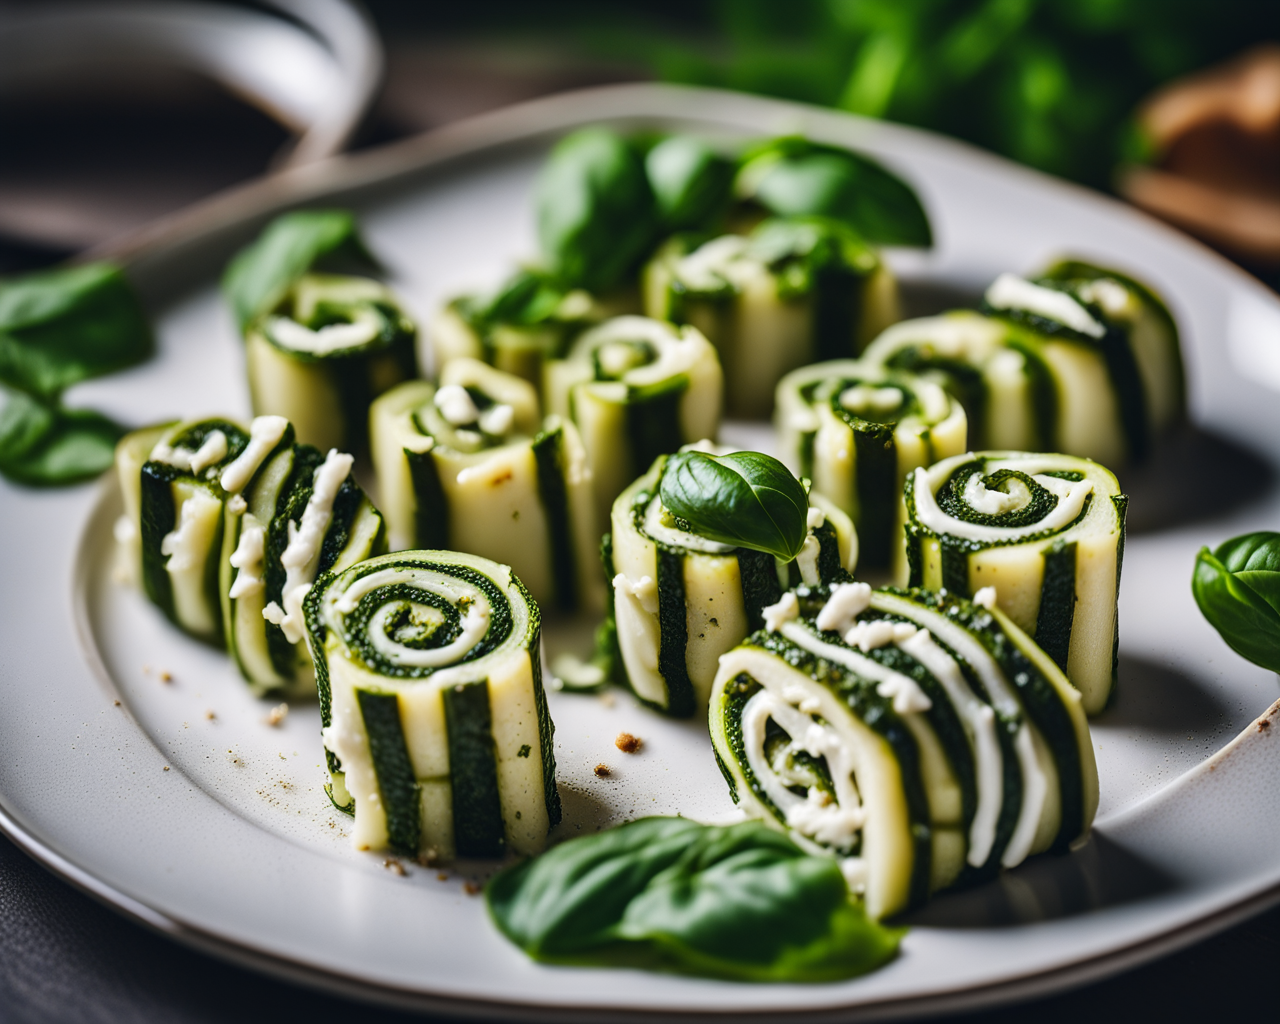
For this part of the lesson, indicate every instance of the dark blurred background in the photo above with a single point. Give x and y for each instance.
(1174, 104)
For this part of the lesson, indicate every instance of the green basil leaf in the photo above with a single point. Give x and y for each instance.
(691, 182)
(791, 176)
(46, 446)
(1238, 590)
(595, 211)
(746, 499)
(666, 893)
(260, 275)
(59, 327)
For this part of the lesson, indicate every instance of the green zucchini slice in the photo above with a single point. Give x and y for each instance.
(636, 388)
(857, 430)
(435, 719)
(796, 290)
(469, 466)
(679, 600)
(330, 347)
(1045, 533)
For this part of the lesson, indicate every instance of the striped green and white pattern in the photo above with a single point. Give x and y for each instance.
(1079, 359)
(435, 720)
(794, 291)
(332, 346)
(1046, 532)
(471, 467)
(857, 430)
(680, 601)
(636, 388)
(922, 739)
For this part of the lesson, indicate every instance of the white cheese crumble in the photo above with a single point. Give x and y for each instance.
(332, 338)
(807, 561)
(863, 398)
(990, 502)
(301, 555)
(815, 518)
(985, 597)
(784, 611)
(247, 558)
(846, 603)
(265, 433)
(456, 406)
(1009, 291)
(214, 449)
(1115, 299)
(180, 543)
(497, 420)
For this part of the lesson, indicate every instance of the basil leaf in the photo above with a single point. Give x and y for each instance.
(260, 275)
(46, 446)
(59, 327)
(1238, 590)
(746, 499)
(595, 211)
(692, 184)
(740, 902)
(791, 175)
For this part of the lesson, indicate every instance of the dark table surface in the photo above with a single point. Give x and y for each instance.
(63, 956)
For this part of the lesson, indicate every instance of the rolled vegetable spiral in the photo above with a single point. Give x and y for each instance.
(435, 720)
(330, 347)
(681, 600)
(796, 290)
(1046, 532)
(636, 388)
(919, 737)
(469, 467)
(857, 431)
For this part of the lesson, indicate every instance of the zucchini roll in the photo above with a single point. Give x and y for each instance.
(636, 388)
(173, 496)
(428, 665)
(1046, 532)
(326, 350)
(921, 738)
(291, 514)
(1077, 307)
(531, 319)
(470, 467)
(857, 430)
(681, 600)
(794, 291)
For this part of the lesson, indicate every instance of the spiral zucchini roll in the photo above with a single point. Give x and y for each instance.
(919, 737)
(795, 291)
(330, 347)
(435, 720)
(680, 600)
(1088, 317)
(527, 322)
(1046, 532)
(636, 388)
(857, 430)
(468, 466)
(170, 478)
(291, 514)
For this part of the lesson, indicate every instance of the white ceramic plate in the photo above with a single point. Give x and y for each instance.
(178, 804)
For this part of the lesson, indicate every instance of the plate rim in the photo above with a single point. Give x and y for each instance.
(237, 211)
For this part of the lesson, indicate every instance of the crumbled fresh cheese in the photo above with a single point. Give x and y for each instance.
(497, 420)
(301, 555)
(815, 518)
(456, 406)
(867, 636)
(180, 544)
(784, 611)
(264, 434)
(990, 502)
(824, 820)
(904, 691)
(807, 561)
(846, 603)
(985, 598)
(236, 505)
(1009, 291)
(247, 558)
(1115, 299)
(179, 458)
(331, 338)
(213, 450)
(864, 398)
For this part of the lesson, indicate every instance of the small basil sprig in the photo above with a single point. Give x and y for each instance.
(1237, 587)
(746, 499)
(741, 902)
(260, 275)
(792, 175)
(57, 328)
(595, 210)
